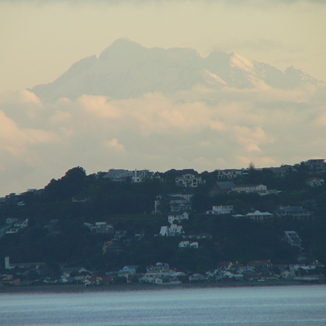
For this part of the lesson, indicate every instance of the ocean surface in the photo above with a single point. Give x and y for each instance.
(279, 305)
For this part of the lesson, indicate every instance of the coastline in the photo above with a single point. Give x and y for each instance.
(80, 288)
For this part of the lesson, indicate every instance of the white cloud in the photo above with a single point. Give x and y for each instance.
(225, 129)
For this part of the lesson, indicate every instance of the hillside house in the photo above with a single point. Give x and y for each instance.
(118, 175)
(296, 212)
(174, 203)
(221, 187)
(316, 165)
(9, 265)
(221, 210)
(173, 230)
(257, 216)
(255, 188)
(315, 182)
(189, 180)
(100, 227)
(172, 218)
(230, 173)
(292, 238)
(188, 244)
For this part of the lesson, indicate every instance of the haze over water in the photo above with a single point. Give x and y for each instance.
(286, 305)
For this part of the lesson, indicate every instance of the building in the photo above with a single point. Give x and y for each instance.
(257, 216)
(221, 210)
(178, 217)
(100, 227)
(188, 244)
(189, 180)
(297, 212)
(315, 182)
(118, 175)
(292, 238)
(230, 173)
(256, 188)
(173, 230)
(316, 165)
(9, 265)
(173, 203)
(222, 187)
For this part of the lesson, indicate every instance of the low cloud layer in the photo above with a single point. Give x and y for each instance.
(204, 130)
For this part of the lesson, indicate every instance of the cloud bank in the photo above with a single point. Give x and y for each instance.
(200, 129)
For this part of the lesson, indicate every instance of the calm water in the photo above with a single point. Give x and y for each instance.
(292, 305)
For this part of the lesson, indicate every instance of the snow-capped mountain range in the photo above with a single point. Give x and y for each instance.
(127, 70)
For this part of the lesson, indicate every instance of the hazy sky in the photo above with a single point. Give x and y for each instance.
(41, 39)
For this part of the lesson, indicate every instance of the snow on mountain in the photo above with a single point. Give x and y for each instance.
(126, 69)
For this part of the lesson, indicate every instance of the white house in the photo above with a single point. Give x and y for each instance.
(189, 180)
(219, 210)
(188, 244)
(259, 216)
(178, 217)
(173, 230)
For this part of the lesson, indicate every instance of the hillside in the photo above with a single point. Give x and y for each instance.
(60, 220)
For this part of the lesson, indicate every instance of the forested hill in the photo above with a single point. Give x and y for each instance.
(57, 224)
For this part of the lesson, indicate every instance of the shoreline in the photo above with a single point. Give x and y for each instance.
(80, 288)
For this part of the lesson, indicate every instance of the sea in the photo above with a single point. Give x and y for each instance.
(266, 305)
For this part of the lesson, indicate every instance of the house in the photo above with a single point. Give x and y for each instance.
(22, 224)
(221, 187)
(173, 230)
(316, 165)
(118, 175)
(259, 216)
(292, 238)
(224, 265)
(178, 217)
(261, 264)
(141, 175)
(197, 236)
(158, 268)
(230, 173)
(297, 212)
(188, 244)
(9, 265)
(174, 203)
(315, 182)
(100, 227)
(281, 171)
(129, 269)
(189, 180)
(220, 210)
(255, 188)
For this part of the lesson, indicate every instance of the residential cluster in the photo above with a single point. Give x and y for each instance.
(161, 274)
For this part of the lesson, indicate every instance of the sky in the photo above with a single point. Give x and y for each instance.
(41, 39)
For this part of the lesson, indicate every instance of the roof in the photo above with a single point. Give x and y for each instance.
(224, 185)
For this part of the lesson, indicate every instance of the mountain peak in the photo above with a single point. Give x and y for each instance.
(127, 69)
(121, 45)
